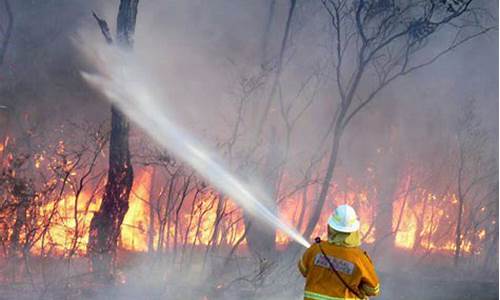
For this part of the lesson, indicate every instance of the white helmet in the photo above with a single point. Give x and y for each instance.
(344, 219)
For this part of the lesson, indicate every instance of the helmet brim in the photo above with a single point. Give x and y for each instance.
(354, 227)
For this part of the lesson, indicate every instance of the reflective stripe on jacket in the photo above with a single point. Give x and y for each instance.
(316, 296)
(352, 263)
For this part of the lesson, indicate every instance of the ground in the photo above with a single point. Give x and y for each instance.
(243, 278)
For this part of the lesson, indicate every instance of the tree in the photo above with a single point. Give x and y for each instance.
(260, 239)
(384, 39)
(5, 34)
(279, 63)
(388, 174)
(476, 170)
(106, 223)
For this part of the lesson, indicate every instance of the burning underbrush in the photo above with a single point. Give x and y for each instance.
(181, 239)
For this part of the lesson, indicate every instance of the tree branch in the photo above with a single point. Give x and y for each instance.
(104, 28)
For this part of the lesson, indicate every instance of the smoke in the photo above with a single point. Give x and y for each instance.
(129, 88)
(203, 51)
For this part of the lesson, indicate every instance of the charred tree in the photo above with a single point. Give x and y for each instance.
(106, 223)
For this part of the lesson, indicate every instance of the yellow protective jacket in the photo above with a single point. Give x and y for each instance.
(352, 263)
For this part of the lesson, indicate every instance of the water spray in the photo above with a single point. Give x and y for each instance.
(124, 86)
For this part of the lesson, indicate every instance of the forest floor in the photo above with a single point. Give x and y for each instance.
(242, 279)
(394, 289)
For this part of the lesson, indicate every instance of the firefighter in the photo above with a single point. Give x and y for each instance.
(338, 268)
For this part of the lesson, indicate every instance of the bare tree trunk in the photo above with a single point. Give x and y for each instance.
(332, 162)
(341, 119)
(279, 66)
(106, 223)
(388, 173)
(383, 219)
(151, 226)
(460, 196)
(267, 32)
(260, 237)
(458, 232)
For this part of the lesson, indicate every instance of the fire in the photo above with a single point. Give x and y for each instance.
(405, 236)
(482, 234)
(206, 213)
(61, 232)
(61, 236)
(135, 224)
(422, 220)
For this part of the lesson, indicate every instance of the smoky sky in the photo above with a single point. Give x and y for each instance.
(202, 48)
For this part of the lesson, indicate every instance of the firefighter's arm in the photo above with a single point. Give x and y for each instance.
(370, 284)
(303, 263)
